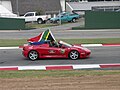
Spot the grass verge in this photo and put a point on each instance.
(34, 25)
(18, 42)
(12, 42)
(29, 26)
(56, 73)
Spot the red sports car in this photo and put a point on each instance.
(58, 50)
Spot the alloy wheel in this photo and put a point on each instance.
(33, 55)
(74, 55)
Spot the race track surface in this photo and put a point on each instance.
(61, 34)
(100, 55)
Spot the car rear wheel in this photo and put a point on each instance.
(39, 21)
(57, 21)
(33, 55)
(74, 55)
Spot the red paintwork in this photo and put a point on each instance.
(109, 65)
(9, 68)
(59, 67)
(45, 51)
(111, 44)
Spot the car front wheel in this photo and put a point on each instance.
(74, 55)
(74, 20)
(33, 55)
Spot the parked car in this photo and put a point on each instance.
(118, 10)
(35, 17)
(65, 17)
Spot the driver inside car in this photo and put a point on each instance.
(54, 44)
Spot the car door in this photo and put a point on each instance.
(54, 52)
(64, 17)
(29, 17)
(69, 18)
(57, 52)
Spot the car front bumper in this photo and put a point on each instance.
(25, 53)
(85, 54)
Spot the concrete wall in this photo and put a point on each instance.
(35, 5)
(62, 2)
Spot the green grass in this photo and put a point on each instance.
(56, 73)
(35, 25)
(93, 41)
(12, 42)
(18, 42)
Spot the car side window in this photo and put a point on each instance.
(37, 14)
(29, 14)
(53, 44)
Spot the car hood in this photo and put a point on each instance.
(80, 47)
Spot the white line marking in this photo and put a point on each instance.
(9, 48)
(86, 66)
(97, 30)
(31, 68)
(91, 45)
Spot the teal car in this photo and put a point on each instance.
(65, 17)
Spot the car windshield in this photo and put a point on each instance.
(65, 44)
(59, 15)
(62, 14)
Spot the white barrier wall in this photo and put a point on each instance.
(62, 2)
(6, 4)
